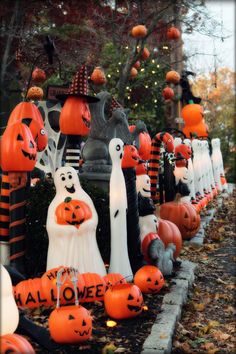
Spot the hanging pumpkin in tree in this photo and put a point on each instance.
(123, 301)
(15, 344)
(133, 72)
(173, 77)
(145, 54)
(173, 33)
(149, 279)
(18, 148)
(139, 31)
(35, 93)
(70, 324)
(98, 76)
(38, 75)
(137, 64)
(182, 214)
(168, 93)
(72, 212)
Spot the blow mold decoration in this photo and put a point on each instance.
(69, 324)
(9, 315)
(119, 259)
(75, 117)
(14, 343)
(70, 245)
(194, 120)
(149, 279)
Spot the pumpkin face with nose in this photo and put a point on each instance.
(70, 324)
(123, 301)
(149, 279)
(18, 148)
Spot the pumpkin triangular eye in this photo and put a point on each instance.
(149, 279)
(156, 282)
(66, 208)
(71, 317)
(130, 297)
(77, 207)
(185, 215)
(83, 323)
(19, 137)
(27, 121)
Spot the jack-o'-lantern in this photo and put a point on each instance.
(75, 117)
(131, 157)
(72, 212)
(28, 113)
(67, 293)
(182, 154)
(144, 143)
(18, 148)
(70, 324)
(168, 93)
(29, 294)
(173, 33)
(173, 77)
(98, 76)
(182, 214)
(149, 279)
(123, 301)
(139, 31)
(169, 233)
(192, 114)
(15, 344)
(95, 285)
(35, 93)
(38, 75)
(114, 278)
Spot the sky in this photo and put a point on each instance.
(224, 12)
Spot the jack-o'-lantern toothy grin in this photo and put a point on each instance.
(134, 308)
(27, 154)
(70, 189)
(82, 333)
(86, 122)
(75, 222)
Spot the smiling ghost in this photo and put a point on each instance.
(71, 243)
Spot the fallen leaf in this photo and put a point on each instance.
(221, 281)
(199, 307)
(109, 349)
(219, 335)
(120, 350)
(163, 336)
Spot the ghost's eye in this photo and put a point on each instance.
(118, 147)
(63, 178)
(70, 176)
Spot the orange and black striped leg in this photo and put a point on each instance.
(4, 208)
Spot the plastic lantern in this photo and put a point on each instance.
(14, 344)
(123, 301)
(169, 233)
(9, 315)
(144, 143)
(149, 279)
(131, 157)
(192, 114)
(35, 93)
(72, 212)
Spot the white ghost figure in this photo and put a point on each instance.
(177, 141)
(143, 185)
(181, 175)
(197, 166)
(190, 173)
(70, 245)
(209, 166)
(217, 163)
(119, 259)
(9, 314)
(148, 223)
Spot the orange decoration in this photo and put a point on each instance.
(35, 93)
(139, 31)
(168, 93)
(149, 279)
(133, 72)
(145, 54)
(72, 212)
(173, 33)
(131, 157)
(192, 114)
(114, 278)
(95, 286)
(173, 77)
(169, 233)
(28, 293)
(137, 64)
(199, 130)
(145, 143)
(98, 76)
(38, 75)
(15, 344)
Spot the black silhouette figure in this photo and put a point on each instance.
(187, 94)
(49, 48)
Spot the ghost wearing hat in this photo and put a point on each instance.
(72, 242)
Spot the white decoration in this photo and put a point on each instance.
(69, 246)
(143, 185)
(190, 173)
(119, 259)
(197, 166)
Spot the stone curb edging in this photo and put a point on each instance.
(160, 339)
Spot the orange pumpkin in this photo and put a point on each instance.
(131, 157)
(28, 113)
(173, 33)
(70, 324)
(139, 31)
(123, 301)
(200, 130)
(98, 76)
(38, 75)
(18, 148)
(75, 116)
(182, 214)
(95, 287)
(182, 154)
(173, 77)
(35, 93)
(72, 212)
(145, 54)
(168, 93)
(114, 278)
(15, 344)
(149, 279)
(67, 295)
(137, 64)
(29, 294)
(145, 143)
(169, 233)
(192, 114)
(133, 72)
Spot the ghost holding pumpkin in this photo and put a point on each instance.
(71, 226)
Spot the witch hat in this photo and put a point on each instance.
(79, 87)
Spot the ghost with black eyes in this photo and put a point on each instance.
(71, 226)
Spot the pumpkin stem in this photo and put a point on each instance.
(67, 199)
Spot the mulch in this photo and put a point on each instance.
(208, 320)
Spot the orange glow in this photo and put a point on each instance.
(111, 323)
(145, 308)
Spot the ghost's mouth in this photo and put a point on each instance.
(86, 122)
(70, 189)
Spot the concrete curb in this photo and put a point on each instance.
(160, 339)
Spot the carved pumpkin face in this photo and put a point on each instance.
(28, 113)
(18, 148)
(72, 212)
(70, 324)
(149, 279)
(123, 301)
(35, 93)
(131, 157)
(15, 344)
(75, 117)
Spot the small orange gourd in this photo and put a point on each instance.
(173, 77)
(139, 31)
(98, 77)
